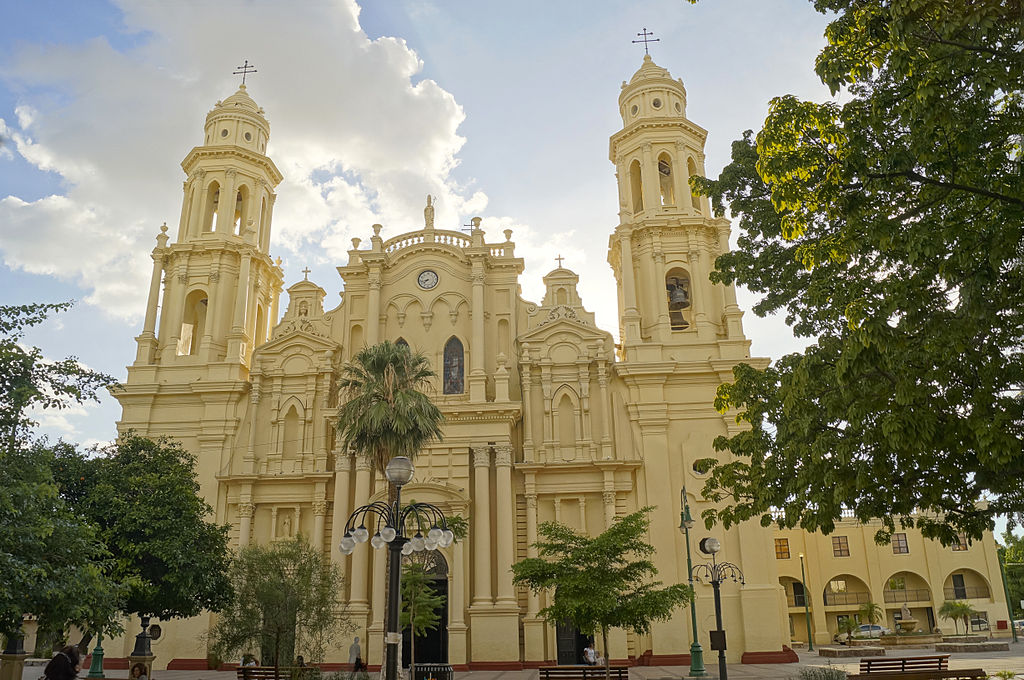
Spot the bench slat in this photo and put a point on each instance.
(947, 674)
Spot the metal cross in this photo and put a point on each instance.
(306, 273)
(247, 68)
(559, 259)
(645, 39)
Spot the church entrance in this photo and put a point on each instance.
(571, 643)
(432, 647)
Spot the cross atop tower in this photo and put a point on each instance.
(305, 273)
(645, 37)
(247, 68)
(559, 259)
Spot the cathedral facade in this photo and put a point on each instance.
(548, 416)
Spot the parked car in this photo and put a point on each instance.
(864, 630)
(978, 623)
(1019, 624)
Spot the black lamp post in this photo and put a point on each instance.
(807, 606)
(392, 524)
(685, 524)
(715, 573)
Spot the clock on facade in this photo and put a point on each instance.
(427, 279)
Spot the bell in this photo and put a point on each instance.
(678, 298)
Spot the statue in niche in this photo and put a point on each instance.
(303, 308)
(286, 527)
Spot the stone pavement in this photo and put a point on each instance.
(991, 662)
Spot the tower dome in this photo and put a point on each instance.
(652, 93)
(238, 121)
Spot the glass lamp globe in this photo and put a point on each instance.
(377, 541)
(447, 536)
(435, 533)
(407, 549)
(347, 544)
(361, 534)
(388, 533)
(417, 541)
(399, 470)
(429, 543)
(709, 546)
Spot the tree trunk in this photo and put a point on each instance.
(607, 656)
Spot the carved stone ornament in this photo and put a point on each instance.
(214, 276)
(503, 455)
(299, 324)
(482, 456)
(319, 508)
(531, 501)
(246, 509)
(363, 463)
(562, 312)
(182, 278)
(609, 498)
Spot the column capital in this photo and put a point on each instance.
(363, 463)
(342, 460)
(531, 501)
(246, 509)
(481, 455)
(502, 456)
(319, 508)
(609, 498)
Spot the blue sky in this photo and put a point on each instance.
(502, 110)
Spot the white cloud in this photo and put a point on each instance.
(358, 138)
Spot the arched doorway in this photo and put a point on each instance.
(570, 643)
(432, 647)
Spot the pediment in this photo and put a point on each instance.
(284, 341)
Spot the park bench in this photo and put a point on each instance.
(914, 668)
(270, 673)
(582, 672)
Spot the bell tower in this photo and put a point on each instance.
(667, 239)
(220, 288)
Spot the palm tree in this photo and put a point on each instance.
(956, 610)
(385, 411)
(870, 612)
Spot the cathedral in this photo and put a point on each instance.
(548, 416)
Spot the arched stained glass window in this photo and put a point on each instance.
(402, 343)
(454, 367)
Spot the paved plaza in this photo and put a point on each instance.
(991, 662)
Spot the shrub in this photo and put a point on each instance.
(822, 673)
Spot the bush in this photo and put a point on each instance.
(822, 673)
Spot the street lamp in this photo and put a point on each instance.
(392, 524)
(1006, 588)
(807, 607)
(685, 524)
(715, 573)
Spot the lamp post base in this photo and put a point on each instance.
(697, 661)
(96, 667)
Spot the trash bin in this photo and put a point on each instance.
(433, 671)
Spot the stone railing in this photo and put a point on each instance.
(452, 238)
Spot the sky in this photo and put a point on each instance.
(499, 109)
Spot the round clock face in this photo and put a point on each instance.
(427, 279)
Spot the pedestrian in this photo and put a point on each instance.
(590, 655)
(64, 665)
(139, 672)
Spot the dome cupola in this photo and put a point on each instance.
(238, 121)
(652, 93)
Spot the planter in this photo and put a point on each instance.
(864, 642)
(847, 652)
(964, 639)
(968, 647)
(915, 640)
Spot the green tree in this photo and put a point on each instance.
(284, 603)
(848, 625)
(958, 610)
(600, 582)
(1013, 557)
(52, 564)
(385, 411)
(888, 228)
(420, 605)
(144, 497)
(870, 612)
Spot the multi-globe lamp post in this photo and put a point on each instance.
(685, 524)
(392, 524)
(715, 573)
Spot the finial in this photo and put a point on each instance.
(277, 262)
(559, 260)
(645, 38)
(245, 69)
(428, 213)
(306, 273)
(376, 229)
(163, 228)
(508, 235)
(355, 243)
(476, 222)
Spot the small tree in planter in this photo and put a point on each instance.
(871, 612)
(956, 610)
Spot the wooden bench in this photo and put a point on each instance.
(270, 673)
(582, 672)
(914, 668)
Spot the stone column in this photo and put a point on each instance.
(582, 501)
(609, 507)
(373, 309)
(631, 317)
(212, 318)
(147, 341)
(527, 381)
(606, 411)
(532, 600)
(238, 318)
(176, 281)
(477, 375)
(682, 173)
(505, 513)
(342, 472)
(194, 227)
(482, 526)
(245, 515)
(319, 520)
(226, 209)
(649, 175)
(359, 558)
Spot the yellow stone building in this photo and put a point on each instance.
(548, 416)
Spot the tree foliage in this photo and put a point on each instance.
(1012, 549)
(284, 603)
(870, 612)
(144, 497)
(420, 606)
(889, 228)
(600, 582)
(52, 564)
(385, 411)
(958, 610)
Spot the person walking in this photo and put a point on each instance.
(64, 665)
